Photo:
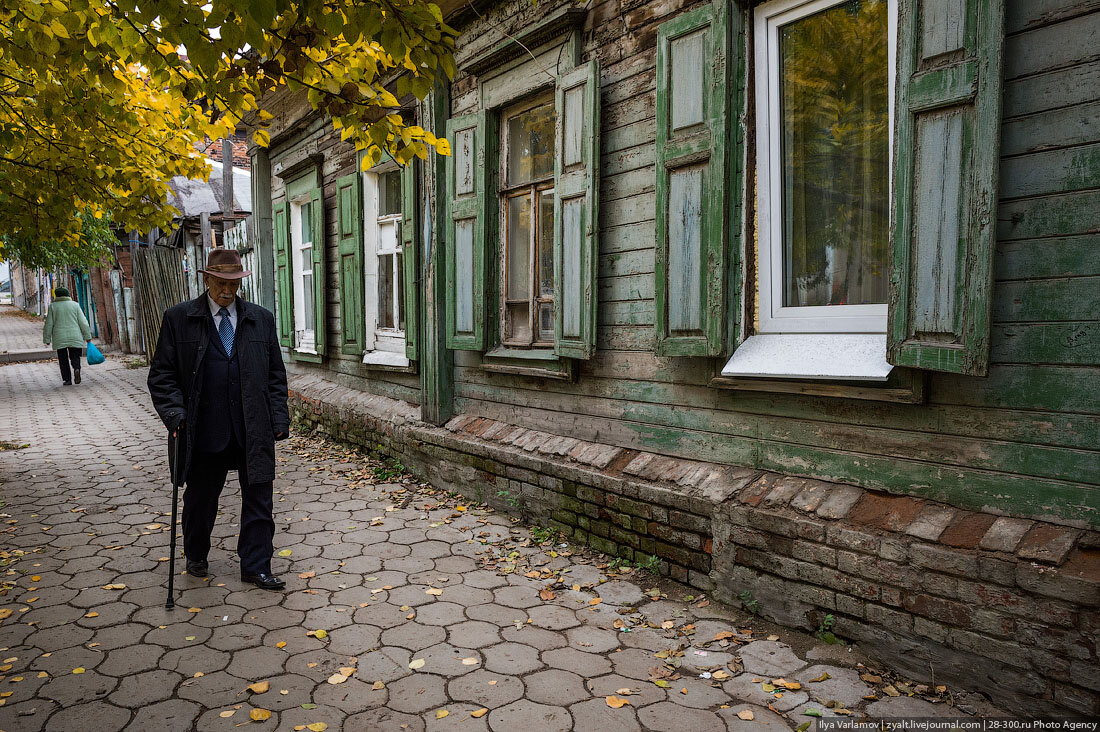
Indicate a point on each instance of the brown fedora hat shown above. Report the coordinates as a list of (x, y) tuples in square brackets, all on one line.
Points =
[(225, 263)]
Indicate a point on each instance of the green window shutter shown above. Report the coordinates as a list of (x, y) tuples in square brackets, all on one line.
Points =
[(948, 109), (410, 260), (469, 215), (320, 325), (349, 217), (284, 291), (693, 87), (576, 213)]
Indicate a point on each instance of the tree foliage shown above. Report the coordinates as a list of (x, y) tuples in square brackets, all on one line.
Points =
[(102, 102), (92, 246)]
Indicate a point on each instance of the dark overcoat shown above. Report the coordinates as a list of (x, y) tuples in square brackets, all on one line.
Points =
[(175, 378)]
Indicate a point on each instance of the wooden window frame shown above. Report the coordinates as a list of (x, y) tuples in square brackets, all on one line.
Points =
[(775, 318), (535, 189), (297, 246)]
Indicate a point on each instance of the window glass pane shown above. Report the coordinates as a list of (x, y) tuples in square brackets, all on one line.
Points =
[(307, 223), (531, 145), (835, 155), (546, 244), (307, 297), (390, 190), (546, 321), (399, 275), (385, 291), (306, 259), (519, 247)]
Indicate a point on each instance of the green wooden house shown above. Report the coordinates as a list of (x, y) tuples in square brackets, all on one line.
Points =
[(801, 297)]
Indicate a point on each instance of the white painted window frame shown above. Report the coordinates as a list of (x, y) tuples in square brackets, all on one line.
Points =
[(774, 317), (384, 346), (305, 341)]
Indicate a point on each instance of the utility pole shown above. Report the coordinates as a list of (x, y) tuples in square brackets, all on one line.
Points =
[(227, 183)]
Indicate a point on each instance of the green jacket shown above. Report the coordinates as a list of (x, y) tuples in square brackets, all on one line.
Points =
[(66, 326)]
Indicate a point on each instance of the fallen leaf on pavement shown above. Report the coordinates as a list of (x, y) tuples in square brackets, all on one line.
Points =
[(285, 553), (746, 714), (78, 670), (259, 715), (890, 691), (348, 670), (434, 591), (317, 727), (441, 713), (377, 686), (479, 713), (92, 614), (194, 609), (416, 663), (722, 635), (281, 644), (595, 601), (547, 594), (227, 713), (871, 678), (337, 679), (259, 687), (307, 575), (661, 683), (615, 702)]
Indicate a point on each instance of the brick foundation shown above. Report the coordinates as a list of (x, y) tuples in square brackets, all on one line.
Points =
[(1004, 606)]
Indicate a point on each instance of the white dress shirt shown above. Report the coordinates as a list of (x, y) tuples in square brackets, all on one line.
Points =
[(215, 307)]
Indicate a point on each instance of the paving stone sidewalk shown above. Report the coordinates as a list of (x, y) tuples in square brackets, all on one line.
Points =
[(21, 336), (435, 615)]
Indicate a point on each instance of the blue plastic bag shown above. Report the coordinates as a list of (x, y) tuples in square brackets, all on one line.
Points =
[(94, 355)]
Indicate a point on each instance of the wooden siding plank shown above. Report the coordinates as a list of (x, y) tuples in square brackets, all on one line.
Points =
[(1051, 172), (1053, 300), (1029, 14), (1055, 257), (1048, 343), (1062, 127), (1052, 90), (1055, 46), (1045, 216)]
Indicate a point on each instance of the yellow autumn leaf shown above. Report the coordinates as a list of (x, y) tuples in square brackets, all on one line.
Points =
[(616, 702), (259, 687), (746, 714), (259, 715), (227, 713), (281, 644), (317, 727), (377, 686), (78, 670), (337, 679), (479, 713), (434, 591), (416, 663), (441, 713), (92, 614)]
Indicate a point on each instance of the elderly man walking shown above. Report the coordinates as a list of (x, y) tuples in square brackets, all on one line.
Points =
[(217, 381)]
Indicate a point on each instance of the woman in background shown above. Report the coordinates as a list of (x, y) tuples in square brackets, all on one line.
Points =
[(67, 330)]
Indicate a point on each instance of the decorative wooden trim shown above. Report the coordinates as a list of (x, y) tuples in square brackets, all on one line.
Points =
[(905, 386), (554, 25), (286, 172)]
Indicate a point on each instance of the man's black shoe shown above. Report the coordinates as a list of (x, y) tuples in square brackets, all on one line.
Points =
[(76, 376), (196, 568), (264, 581)]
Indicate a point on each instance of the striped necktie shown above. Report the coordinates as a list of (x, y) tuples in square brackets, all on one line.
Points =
[(225, 331)]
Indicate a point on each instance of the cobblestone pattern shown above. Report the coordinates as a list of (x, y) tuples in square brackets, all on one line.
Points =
[(21, 335), (85, 641), (923, 583)]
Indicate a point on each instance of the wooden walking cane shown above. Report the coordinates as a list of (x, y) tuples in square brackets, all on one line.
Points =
[(170, 603)]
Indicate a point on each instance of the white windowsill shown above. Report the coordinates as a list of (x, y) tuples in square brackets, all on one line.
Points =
[(836, 356), (385, 358)]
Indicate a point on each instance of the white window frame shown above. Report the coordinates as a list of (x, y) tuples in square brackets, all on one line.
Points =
[(305, 340), (384, 346), (774, 316)]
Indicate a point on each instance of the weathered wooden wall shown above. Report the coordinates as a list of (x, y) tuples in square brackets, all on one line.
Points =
[(1023, 440), (302, 135)]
